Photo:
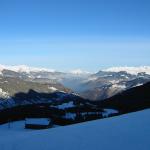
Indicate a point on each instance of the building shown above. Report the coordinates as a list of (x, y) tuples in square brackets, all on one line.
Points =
[(38, 123)]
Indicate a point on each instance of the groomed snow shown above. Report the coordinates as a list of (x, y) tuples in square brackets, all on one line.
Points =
[(128, 132)]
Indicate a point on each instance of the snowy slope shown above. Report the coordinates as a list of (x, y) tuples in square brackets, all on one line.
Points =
[(128, 132)]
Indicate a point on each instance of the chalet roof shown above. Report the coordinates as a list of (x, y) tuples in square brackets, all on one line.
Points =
[(38, 121)]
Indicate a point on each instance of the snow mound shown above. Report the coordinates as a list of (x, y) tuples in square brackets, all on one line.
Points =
[(127, 132)]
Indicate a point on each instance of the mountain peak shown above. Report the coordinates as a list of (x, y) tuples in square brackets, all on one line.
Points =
[(130, 70), (79, 72), (24, 68)]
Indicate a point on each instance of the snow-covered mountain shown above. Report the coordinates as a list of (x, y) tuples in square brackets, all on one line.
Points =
[(33, 97), (24, 69), (105, 84), (9, 86), (127, 132), (130, 70), (136, 98), (69, 108), (79, 72), (94, 86), (37, 74)]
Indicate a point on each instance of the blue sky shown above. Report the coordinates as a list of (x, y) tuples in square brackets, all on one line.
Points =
[(70, 34)]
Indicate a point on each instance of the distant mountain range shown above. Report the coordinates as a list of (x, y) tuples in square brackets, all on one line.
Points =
[(105, 84), (98, 86), (71, 97), (69, 108)]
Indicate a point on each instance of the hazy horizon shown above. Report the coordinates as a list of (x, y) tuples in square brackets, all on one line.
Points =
[(66, 35)]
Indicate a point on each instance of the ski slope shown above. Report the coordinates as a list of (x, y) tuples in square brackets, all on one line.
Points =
[(127, 132)]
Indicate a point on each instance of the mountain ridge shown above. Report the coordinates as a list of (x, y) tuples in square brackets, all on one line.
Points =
[(28, 69), (94, 86)]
